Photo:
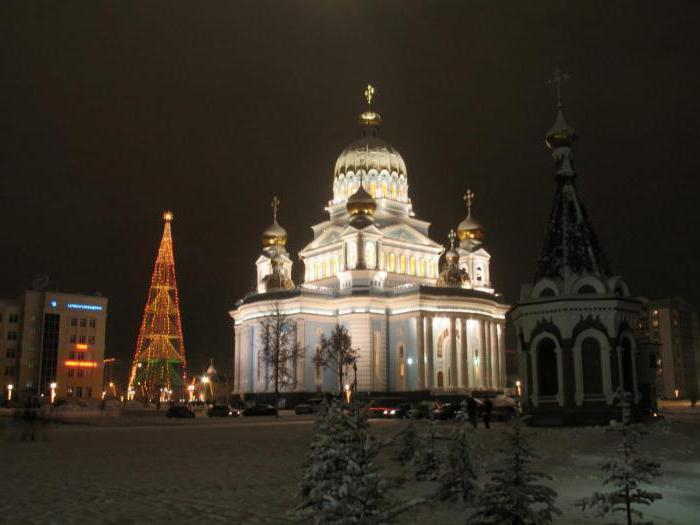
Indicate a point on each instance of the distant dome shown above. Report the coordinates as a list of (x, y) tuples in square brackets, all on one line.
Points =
[(361, 207), (470, 229), (274, 235), (561, 134)]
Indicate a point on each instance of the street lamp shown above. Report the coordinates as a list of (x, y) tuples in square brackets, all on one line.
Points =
[(9, 392), (517, 385), (205, 380), (53, 391)]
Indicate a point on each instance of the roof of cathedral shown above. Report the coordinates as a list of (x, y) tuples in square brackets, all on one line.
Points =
[(367, 153), (570, 244)]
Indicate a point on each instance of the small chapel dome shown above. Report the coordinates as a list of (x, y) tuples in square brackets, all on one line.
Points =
[(470, 229), (561, 134), (274, 235)]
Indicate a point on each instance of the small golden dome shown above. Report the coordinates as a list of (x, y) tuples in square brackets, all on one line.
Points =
[(370, 119), (469, 228), (561, 134), (274, 235), (168, 216), (361, 206)]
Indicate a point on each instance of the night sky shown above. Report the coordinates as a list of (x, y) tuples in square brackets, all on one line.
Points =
[(111, 112)]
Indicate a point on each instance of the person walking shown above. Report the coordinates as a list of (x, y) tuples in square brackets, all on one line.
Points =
[(471, 412), (488, 408)]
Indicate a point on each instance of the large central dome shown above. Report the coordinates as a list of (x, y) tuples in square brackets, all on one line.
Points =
[(372, 160)]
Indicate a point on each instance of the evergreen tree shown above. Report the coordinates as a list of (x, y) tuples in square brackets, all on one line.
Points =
[(406, 444), (625, 474), (458, 473), (341, 483), (513, 495), (427, 456)]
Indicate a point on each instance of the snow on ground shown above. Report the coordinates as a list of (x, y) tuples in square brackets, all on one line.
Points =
[(149, 469)]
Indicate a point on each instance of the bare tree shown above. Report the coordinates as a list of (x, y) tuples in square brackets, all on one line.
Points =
[(279, 349), (336, 353)]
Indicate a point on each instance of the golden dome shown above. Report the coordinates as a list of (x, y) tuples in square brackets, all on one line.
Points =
[(469, 229), (274, 235), (369, 118), (361, 207), (561, 134), (168, 216)]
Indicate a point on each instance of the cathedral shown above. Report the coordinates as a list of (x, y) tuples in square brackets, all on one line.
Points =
[(372, 267)]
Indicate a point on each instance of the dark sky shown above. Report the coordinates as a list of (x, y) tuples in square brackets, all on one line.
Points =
[(111, 112)]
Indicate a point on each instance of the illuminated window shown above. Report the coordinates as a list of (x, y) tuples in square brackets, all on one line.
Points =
[(440, 380), (373, 188), (385, 192), (370, 255), (393, 190), (81, 339), (327, 268), (73, 338), (402, 264), (402, 369), (352, 255), (83, 322), (71, 372), (421, 268), (381, 260), (392, 262), (412, 266), (93, 323)]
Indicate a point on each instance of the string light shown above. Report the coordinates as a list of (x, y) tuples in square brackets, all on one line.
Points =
[(159, 365)]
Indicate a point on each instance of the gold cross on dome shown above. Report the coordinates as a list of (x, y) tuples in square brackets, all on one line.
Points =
[(469, 199), (452, 236), (558, 78), (369, 94), (275, 204)]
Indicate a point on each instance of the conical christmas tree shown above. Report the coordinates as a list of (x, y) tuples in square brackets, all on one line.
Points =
[(158, 371)]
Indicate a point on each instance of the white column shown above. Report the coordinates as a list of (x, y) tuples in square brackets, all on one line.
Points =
[(482, 344), (430, 368), (607, 377), (420, 343), (453, 354), (299, 361), (487, 354), (502, 355), (462, 357), (494, 356), (470, 356)]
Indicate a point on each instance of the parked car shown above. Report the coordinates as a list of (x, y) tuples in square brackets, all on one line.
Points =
[(422, 410), (179, 411), (221, 411), (446, 411), (310, 407), (260, 410), (504, 408)]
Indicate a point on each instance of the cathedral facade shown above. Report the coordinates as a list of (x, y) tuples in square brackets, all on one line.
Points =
[(418, 325)]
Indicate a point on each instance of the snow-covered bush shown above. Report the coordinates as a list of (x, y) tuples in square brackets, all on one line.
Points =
[(460, 464)]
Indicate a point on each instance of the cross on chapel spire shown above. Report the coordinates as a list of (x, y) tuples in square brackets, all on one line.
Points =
[(275, 204), (452, 236), (369, 94), (558, 78)]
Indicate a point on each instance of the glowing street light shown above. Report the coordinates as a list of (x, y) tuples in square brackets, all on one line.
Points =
[(53, 387), (517, 385), (9, 392)]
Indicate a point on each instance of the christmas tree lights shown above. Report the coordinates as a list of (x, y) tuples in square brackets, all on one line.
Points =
[(159, 368)]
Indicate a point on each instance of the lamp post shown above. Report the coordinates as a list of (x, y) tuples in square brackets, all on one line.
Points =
[(517, 386), (53, 387), (9, 392), (205, 380)]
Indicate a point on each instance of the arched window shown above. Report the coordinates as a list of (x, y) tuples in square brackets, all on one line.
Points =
[(402, 370), (440, 380), (590, 360), (373, 188), (479, 273), (370, 255), (547, 292), (385, 191), (547, 369), (586, 288), (352, 255), (393, 190)]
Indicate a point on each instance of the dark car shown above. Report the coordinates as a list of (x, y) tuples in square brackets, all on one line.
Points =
[(446, 411), (179, 411), (423, 410), (312, 406), (260, 410), (221, 411)]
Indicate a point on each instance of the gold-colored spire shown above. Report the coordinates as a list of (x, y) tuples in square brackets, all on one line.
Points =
[(369, 118), (168, 216), (468, 200), (274, 234)]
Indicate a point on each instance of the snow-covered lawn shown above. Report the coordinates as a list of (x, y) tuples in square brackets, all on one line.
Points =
[(153, 470)]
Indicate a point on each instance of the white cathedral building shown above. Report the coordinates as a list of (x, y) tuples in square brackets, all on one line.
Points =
[(373, 268)]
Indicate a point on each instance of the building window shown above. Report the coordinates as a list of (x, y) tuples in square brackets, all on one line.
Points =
[(82, 339), (9, 370), (91, 340), (73, 338), (370, 255), (440, 380), (412, 266), (402, 264), (71, 354), (74, 321), (89, 391), (71, 372), (93, 323), (79, 391), (13, 318), (80, 372), (421, 268), (392, 262), (10, 353), (81, 356), (83, 322), (12, 336)]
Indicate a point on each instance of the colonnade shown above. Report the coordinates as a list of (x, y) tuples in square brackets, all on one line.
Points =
[(450, 358)]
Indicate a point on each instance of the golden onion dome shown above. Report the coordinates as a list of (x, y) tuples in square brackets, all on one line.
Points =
[(274, 235), (561, 134), (361, 207), (470, 229)]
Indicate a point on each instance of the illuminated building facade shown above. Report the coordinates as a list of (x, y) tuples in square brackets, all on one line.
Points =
[(576, 322), (673, 325), (53, 338), (373, 268)]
